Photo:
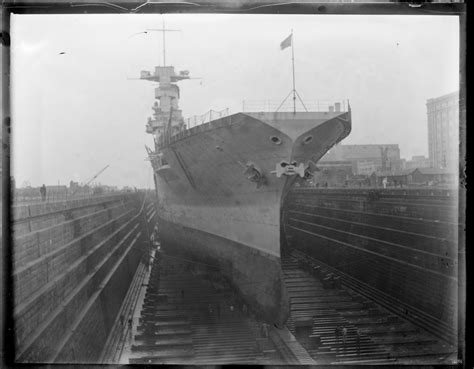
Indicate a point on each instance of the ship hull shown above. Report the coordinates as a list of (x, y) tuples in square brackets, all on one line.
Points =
[(218, 199), (257, 276)]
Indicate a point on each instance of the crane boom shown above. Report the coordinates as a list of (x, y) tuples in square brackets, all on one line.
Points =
[(98, 174)]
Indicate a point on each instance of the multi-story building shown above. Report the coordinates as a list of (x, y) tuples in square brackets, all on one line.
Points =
[(333, 173), (443, 131), (366, 158), (366, 167), (418, 161)]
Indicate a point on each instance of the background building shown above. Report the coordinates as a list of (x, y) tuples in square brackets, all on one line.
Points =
[(333, 173), (366, 159), (413, 177), (366, 167), (443, 131), (418, 161)]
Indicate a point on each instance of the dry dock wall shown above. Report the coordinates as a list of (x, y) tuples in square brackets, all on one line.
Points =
[(402, 243), (73, 263)]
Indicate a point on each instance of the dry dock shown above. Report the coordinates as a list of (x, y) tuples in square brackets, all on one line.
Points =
[(92, 285)]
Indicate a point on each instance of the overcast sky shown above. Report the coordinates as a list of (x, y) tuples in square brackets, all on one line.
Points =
[(75, 110)]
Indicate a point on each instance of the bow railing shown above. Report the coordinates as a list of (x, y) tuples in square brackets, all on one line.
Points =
[(301, 106), (205, 118)]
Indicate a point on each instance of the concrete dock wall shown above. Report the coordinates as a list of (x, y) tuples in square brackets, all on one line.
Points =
[(402, 243), (31, 217), (70, 277)]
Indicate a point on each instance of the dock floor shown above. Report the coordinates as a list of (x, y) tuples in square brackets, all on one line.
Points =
[(319, 306)]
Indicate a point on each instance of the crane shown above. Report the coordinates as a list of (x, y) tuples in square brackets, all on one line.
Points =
[(94, 177)]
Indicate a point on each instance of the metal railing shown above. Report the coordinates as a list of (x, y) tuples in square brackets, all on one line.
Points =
[(259, 106), (19, 198), (301, 106), (205, 118)]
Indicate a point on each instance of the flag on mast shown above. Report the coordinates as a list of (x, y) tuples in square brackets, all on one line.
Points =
[(286, 42)]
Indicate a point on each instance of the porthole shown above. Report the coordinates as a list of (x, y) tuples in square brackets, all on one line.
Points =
[(307, 140), (276, 140)]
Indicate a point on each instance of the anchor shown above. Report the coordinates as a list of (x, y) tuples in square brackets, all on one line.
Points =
[(290, 169), (254, 174)]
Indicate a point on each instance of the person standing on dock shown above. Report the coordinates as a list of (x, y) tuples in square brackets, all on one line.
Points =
[(43, 192), (338, 331), (344, 336)]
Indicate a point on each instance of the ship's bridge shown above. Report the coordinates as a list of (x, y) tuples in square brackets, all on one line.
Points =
[(166, 110), (161, 119), (167, 90)]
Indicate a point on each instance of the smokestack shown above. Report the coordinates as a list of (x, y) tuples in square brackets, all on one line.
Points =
[(338, 106)]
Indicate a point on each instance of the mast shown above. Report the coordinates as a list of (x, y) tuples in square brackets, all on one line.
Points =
[(293, 63), (283, 45), (164, 30)]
